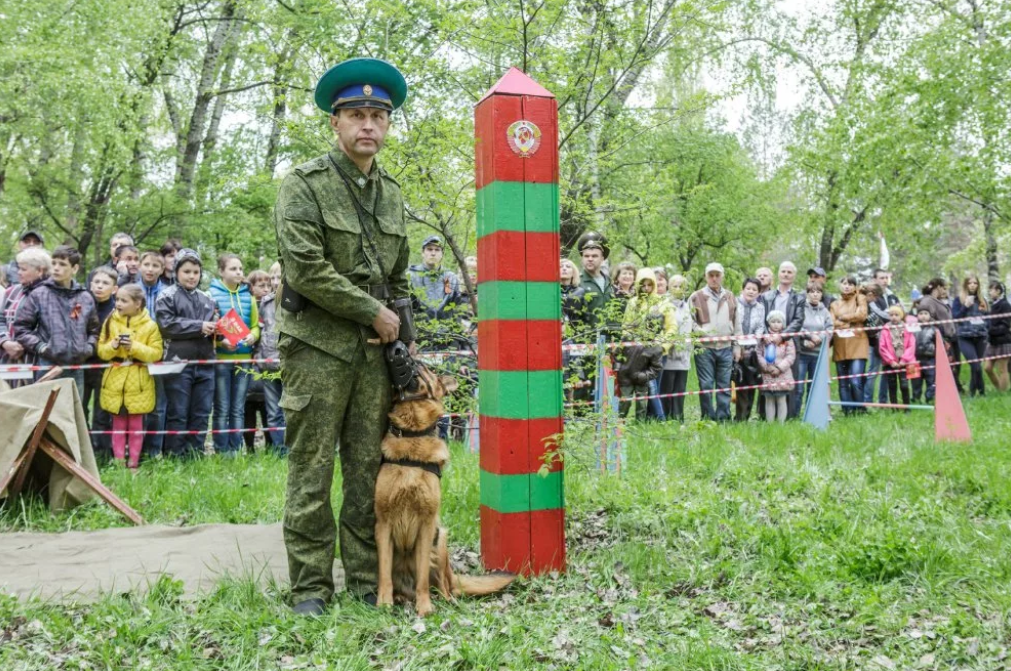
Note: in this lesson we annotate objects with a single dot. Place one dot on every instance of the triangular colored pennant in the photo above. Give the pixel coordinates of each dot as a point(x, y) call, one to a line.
point(816, 411)
point(949, 416)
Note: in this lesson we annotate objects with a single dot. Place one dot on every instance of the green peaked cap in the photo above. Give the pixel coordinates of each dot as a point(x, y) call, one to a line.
point(360, 71)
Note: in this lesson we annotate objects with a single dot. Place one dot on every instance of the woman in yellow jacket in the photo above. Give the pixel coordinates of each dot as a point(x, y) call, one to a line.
point(131, 339)
point(850, 345)
point(650, 320)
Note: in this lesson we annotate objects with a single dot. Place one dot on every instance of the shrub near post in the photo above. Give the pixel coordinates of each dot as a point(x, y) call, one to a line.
point(520, 357)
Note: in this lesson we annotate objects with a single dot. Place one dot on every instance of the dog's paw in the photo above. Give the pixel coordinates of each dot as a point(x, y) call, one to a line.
point(384, 599)
point(424, 608)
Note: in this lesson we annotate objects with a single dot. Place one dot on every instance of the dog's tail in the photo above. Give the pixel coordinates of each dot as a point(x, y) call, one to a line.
point(480, 585)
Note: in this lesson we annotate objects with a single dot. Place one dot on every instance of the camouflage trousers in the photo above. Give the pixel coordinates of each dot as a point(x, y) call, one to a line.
point(327, 402)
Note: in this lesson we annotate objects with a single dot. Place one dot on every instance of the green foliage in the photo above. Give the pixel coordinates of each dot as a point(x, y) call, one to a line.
point(177, 118)
point(749, 546)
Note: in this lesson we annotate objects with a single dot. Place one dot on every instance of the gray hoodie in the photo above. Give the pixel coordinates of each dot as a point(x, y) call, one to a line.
point(816, 318)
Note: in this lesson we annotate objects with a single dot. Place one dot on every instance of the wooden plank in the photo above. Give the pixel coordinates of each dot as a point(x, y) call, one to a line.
point(33, 443)
point(64, 460)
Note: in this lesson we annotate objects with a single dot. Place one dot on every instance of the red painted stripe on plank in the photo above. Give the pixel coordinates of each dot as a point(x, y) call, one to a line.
point(547, 540)
point(495, 159)
point(514, 345)
point(530, 543)
point(516, 256)
point(507, 448)
point(543, 165)
point(505, 541)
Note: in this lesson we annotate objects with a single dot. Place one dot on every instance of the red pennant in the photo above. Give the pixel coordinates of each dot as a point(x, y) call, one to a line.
point(949, 415)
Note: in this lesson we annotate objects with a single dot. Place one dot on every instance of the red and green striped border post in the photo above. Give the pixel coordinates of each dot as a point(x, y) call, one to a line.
point(520, 357)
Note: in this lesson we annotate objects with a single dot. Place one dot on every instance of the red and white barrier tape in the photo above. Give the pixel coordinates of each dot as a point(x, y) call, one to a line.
point(834, 378)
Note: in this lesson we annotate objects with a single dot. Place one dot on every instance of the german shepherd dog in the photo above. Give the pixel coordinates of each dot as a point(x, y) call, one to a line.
point(413, 550)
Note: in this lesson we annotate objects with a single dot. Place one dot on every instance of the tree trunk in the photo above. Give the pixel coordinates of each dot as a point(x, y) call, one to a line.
point(279, 94)
point(992, 266)
point(211, 138)
point(186, 166)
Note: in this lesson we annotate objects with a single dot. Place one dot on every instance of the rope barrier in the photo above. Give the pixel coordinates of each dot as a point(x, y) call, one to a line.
point(574, 348)
point(699, 392)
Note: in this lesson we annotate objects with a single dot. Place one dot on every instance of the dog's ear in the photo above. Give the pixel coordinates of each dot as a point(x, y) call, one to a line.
point(449, 383)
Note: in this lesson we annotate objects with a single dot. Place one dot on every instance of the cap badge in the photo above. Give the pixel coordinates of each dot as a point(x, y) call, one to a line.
point(367, 90)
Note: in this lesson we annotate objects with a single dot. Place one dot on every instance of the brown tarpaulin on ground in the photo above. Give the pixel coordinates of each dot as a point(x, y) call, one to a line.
point(20, 411)
point(84, 565)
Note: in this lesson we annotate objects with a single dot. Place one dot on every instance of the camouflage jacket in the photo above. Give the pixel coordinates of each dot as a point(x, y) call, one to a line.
point(327, 258)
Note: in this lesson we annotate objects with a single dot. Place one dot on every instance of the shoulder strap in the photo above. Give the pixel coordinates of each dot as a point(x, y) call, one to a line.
point(359, 210)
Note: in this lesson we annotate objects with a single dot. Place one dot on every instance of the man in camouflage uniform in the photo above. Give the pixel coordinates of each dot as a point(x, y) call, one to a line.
point(336, 383)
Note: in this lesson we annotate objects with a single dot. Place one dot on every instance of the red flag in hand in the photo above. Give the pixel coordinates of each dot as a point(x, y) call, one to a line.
point(232, 328)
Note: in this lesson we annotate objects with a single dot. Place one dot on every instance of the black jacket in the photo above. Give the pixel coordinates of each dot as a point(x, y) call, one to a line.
point(1000, 327)
point(180, 315)
point(794, 308)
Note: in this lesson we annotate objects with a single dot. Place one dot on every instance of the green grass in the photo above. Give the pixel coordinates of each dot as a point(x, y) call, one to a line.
point(736, 547)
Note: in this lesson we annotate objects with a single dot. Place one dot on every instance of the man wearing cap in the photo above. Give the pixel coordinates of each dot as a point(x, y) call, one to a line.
point(599, 292)
point(342, 242)
point(27, 239)
point(817, 275)
point(714, 311)
point(437, 290)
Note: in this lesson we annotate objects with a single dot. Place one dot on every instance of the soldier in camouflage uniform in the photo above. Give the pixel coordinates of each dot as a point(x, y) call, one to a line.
point(336, 384)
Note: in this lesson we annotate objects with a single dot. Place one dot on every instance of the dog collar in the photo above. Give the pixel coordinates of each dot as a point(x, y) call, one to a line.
point(434, 469)
point(407, 433)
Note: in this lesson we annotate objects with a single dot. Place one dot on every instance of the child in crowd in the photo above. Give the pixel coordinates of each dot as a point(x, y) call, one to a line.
point(256, 404)
point(925, 349)
point(187, 319)
point(128, 264)
point(999, 333)
point(168, 253)
point(897, 348)
point(103, 289)
point(152, 267)
point(131, 339)
point(777, 368)
point(275, 278)
point(817, 327)
point(57, 320)
point(231, 383)
point(267, 349)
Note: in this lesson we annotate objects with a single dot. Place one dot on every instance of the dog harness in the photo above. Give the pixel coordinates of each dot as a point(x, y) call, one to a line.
point(434, 469)
point(432, 430)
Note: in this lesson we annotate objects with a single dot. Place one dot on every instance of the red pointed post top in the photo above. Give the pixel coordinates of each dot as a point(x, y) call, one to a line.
point(517, 83)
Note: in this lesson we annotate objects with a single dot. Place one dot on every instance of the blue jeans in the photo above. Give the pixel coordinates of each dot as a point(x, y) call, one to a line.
point(154, 442)
point(655, 405)
point(230, 386)
point(190, 395)
point(807, 365)
point(851, 390)
point(275, 415)
point(924, 383)
point(714, 367)
point(974, 348)
point(873, 366)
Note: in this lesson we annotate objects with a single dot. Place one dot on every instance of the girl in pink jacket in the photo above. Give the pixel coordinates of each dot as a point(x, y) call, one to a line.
point(897, 347)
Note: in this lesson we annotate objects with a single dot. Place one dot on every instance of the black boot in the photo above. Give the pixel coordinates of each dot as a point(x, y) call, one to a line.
point(309, 607)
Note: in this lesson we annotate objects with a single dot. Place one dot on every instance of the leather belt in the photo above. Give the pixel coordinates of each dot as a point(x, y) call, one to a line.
point(377, 291)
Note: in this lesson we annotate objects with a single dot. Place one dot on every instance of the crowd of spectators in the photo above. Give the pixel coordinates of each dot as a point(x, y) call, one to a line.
point(756, 350)
point(760, 347)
